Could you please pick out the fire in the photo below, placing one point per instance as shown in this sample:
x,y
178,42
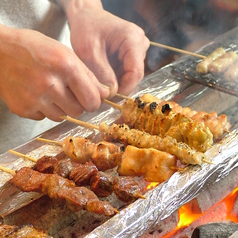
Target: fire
x,y
152,185
187,216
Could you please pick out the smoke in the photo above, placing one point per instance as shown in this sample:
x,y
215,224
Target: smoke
x,y
176,23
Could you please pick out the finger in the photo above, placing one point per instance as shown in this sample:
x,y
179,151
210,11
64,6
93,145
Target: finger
x,y
86,88
53,112
64,98
102,69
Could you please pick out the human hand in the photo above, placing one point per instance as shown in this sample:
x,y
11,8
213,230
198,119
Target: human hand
x,y
112,48
40,77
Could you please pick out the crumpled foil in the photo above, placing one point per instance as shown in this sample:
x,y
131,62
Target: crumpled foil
x,y
166,198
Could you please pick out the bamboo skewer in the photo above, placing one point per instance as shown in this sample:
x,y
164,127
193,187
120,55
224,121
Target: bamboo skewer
x,y
54,142
115,105
177,50
7,170
22,155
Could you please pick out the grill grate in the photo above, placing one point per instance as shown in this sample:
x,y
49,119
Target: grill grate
x,y
185,68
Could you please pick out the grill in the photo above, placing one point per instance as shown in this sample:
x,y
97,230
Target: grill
x,y
205,93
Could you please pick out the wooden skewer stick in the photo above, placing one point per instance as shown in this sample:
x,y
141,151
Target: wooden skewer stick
x,y
54,142
113,104
177,50
7,170
118,94
23,156
81,123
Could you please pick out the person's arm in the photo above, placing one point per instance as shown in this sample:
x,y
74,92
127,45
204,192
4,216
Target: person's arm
x,y
40,77
112,48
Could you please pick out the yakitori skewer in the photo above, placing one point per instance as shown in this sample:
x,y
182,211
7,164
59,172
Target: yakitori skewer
x,y
177,50
102,184
57,187
124,134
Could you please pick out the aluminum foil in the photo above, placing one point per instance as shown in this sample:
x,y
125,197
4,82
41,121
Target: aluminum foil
x,y
163,200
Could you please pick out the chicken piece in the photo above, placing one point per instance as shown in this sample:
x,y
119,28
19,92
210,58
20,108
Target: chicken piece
x,y
100,207
223,62
126,189
78,149
218,125
106,155
202,67
101,184
127,136
155,165
231,73
82,173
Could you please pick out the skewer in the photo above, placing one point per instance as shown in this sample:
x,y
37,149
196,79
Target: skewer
x,y
91,126
54,142
7,170
177,50
115,105
22,155
117,94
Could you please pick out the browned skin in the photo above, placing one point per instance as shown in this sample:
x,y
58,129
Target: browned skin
x,y
59,188
218,125
105,155
149,117
63,167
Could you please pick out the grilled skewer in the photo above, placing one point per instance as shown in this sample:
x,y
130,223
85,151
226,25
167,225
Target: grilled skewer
x,y
140,108
105,155
57,187
82,175
122,133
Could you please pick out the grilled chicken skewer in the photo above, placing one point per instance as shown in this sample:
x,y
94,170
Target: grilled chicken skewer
x,y
105,155
218,125
134,112
123,134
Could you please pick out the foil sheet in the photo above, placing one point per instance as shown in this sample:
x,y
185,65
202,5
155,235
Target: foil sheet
x,y
163,200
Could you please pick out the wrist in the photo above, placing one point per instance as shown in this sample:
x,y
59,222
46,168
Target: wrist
x,y
72,6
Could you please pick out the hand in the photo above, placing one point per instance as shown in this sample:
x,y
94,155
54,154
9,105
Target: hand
x,y
40,77
112,48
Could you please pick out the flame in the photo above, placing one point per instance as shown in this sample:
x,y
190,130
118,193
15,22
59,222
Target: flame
x,y
152,185
187,216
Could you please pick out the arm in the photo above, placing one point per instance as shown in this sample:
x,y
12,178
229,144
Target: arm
x,y
112,48
40,77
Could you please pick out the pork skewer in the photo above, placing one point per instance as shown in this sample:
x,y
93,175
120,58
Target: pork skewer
x,y
57,187
123,134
